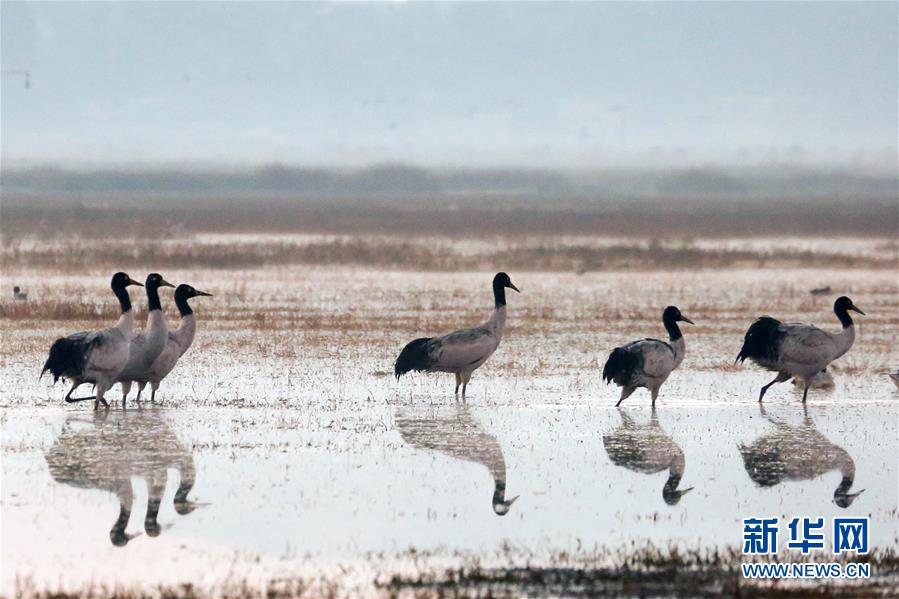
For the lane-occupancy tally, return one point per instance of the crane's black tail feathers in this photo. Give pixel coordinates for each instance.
(413, 357)
(621, 366)
(762, 342)
(67, 356)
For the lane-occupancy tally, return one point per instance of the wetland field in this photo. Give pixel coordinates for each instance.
(283, 458)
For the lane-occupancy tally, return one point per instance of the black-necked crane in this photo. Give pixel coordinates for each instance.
(798, 453)
(176, 345)
(797, 350)
(149, 343)
(96, 356)
(460, 352)
(648, 449)
(19, 295)
(454, 432)
(117, 447)
(647, 362)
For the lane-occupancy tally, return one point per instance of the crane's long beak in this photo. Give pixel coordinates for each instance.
(165, 284)
(204, 294)
(685, 319)
(133, 282)
(514, 287)
(856, 309)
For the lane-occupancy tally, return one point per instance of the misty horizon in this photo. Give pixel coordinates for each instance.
(562, 86)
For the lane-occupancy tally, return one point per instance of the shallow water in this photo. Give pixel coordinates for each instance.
(297, 453)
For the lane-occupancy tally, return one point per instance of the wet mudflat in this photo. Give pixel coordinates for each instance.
(284, 449)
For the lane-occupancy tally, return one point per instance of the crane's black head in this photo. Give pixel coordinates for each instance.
(843, 499)
(119, 537)
(183, 293)
(502, 280)
(155, 281)
(672, 495)
(844, 304)
(186, 291)
(121, 280)
(16, 289)
(673, 314)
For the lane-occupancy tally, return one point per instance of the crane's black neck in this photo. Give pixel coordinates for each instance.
(122, 295)
(843, 314)
(153, 297)
(499, 294)
(181, 301)
(671, 326)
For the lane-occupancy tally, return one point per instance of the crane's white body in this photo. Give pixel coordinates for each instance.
(660, 358)
(806, 350)
(464, 351)
(146, 347)
(177, 342)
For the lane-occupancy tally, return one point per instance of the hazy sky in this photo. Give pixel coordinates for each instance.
(449, 84)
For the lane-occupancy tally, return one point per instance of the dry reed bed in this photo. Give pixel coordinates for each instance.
(423, 254)
(144, 216)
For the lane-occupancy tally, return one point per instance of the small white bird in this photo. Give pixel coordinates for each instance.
(648, 362)
(149, 343)
(797, 350)
(176, 345)
(460, 352)
(96, 356)
(19, 295)
(648, 449)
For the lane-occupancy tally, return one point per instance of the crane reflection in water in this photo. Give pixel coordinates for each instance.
(454, 432)
(648, 449)
(798, 453)
(105, 452)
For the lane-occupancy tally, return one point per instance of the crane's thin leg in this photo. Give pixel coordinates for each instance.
(465, 378)
(781, 377)
(153, 394)
(102, 387)
(140, 389)
(458, 382)
(655, 394)
(625, 393)
(70, 399)
(805, 391)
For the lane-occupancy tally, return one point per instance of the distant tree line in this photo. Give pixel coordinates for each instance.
(401, 179)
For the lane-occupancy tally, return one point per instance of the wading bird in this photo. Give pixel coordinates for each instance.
(797, 350)
(19, 295)
(117, 447)
(460, 352)
(176, 345)
(457, 434)
(148, 344)
(648, 449)
(647, 362)
(96, 356)
(798, 453)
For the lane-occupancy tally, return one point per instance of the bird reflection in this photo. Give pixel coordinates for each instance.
(648, 449)
(798, 453)
(454, 432)
(105, 452)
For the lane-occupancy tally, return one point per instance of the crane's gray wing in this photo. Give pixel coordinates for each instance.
(460, 349)
(658, 356)
(805, 344)
(109, 351)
